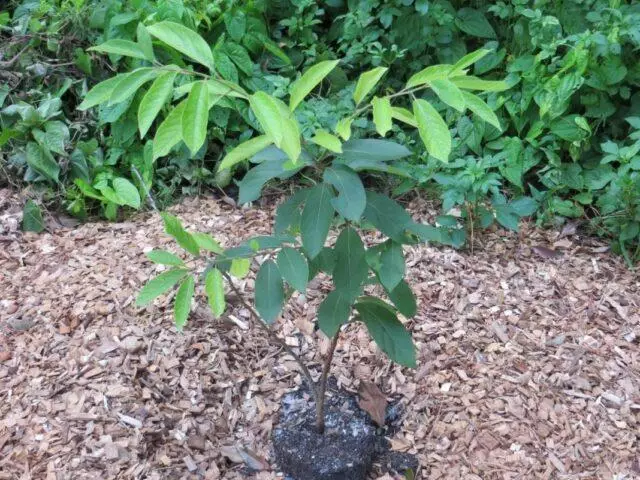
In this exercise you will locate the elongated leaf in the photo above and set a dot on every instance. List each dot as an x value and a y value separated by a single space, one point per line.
174 228
351 200
366 82
145 42
433 130
382 115
240 267
473 22
269 291
387 331
159 285
254 180
41 160
119 46
328 141
404 300
316 219
373 149
291 139
467 60
245 150
333 312
154 100
391 265
182 305
343 128
429 74
185 41
214 288
217 88
32 220
387 216
207 242
126 192
294 268
310 80
468 82
477 106
351 268
448 92
126 87
268 113
101 92
195 117
288 213
164 258
404 116
169 133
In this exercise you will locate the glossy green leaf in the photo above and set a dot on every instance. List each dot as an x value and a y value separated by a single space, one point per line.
448 92
145 42
477 106
169 133
291 139
333 312
387 331
316 219
214 288
468 82
240 267
41 160
468 60
387 216
343 128
174 228
351 268
294 268
159 285
195 117
351 200
429 74
32 220
269 291
130 84
245 150
366 83
268 113
392 265
373 149
126 192
163 257
433 130
288 212
404 299
328 141
182 305
207 242
382 115
153 101
310 80
404 116
118 46
185 41
101 92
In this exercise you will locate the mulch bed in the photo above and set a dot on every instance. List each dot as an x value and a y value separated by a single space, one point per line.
528 358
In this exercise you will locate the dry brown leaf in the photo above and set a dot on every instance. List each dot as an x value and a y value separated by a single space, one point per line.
239 454
5 355
545 252
373 401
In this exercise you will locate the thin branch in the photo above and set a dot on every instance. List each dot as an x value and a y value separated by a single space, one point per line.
322 387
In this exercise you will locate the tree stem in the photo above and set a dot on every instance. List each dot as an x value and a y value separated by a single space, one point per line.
322 386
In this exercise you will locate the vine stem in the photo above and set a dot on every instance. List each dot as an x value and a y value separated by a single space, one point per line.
322 386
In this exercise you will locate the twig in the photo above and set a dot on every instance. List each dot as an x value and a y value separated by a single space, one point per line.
322 387
150 199
9 63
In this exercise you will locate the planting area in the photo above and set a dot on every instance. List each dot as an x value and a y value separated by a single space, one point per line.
527 349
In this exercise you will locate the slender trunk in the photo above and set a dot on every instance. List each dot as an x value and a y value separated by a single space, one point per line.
322 385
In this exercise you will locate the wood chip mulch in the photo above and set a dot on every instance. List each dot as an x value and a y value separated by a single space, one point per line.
529 359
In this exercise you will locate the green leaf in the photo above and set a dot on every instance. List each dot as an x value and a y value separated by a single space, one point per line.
236 23
126 87
56 136
351 268
169 133
429 74
387 216
474 23
468 60
433 130
382 115
164 258
145 42
474 83
119 46
343 128
333 312
392 266
316 219
310 80
351 200
404 116
159 285
507 217
477 106
182 305
126 192
32 217
448 93
41 160
387 331
240 267
404 300
174 228
245 150
269 291
254 180
239 55
153 101
288 213
101 92
195 117
185 41
366 82
207 242
266 109
217 88
291 139
328 141
294 268
214 288
373 149
524 206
